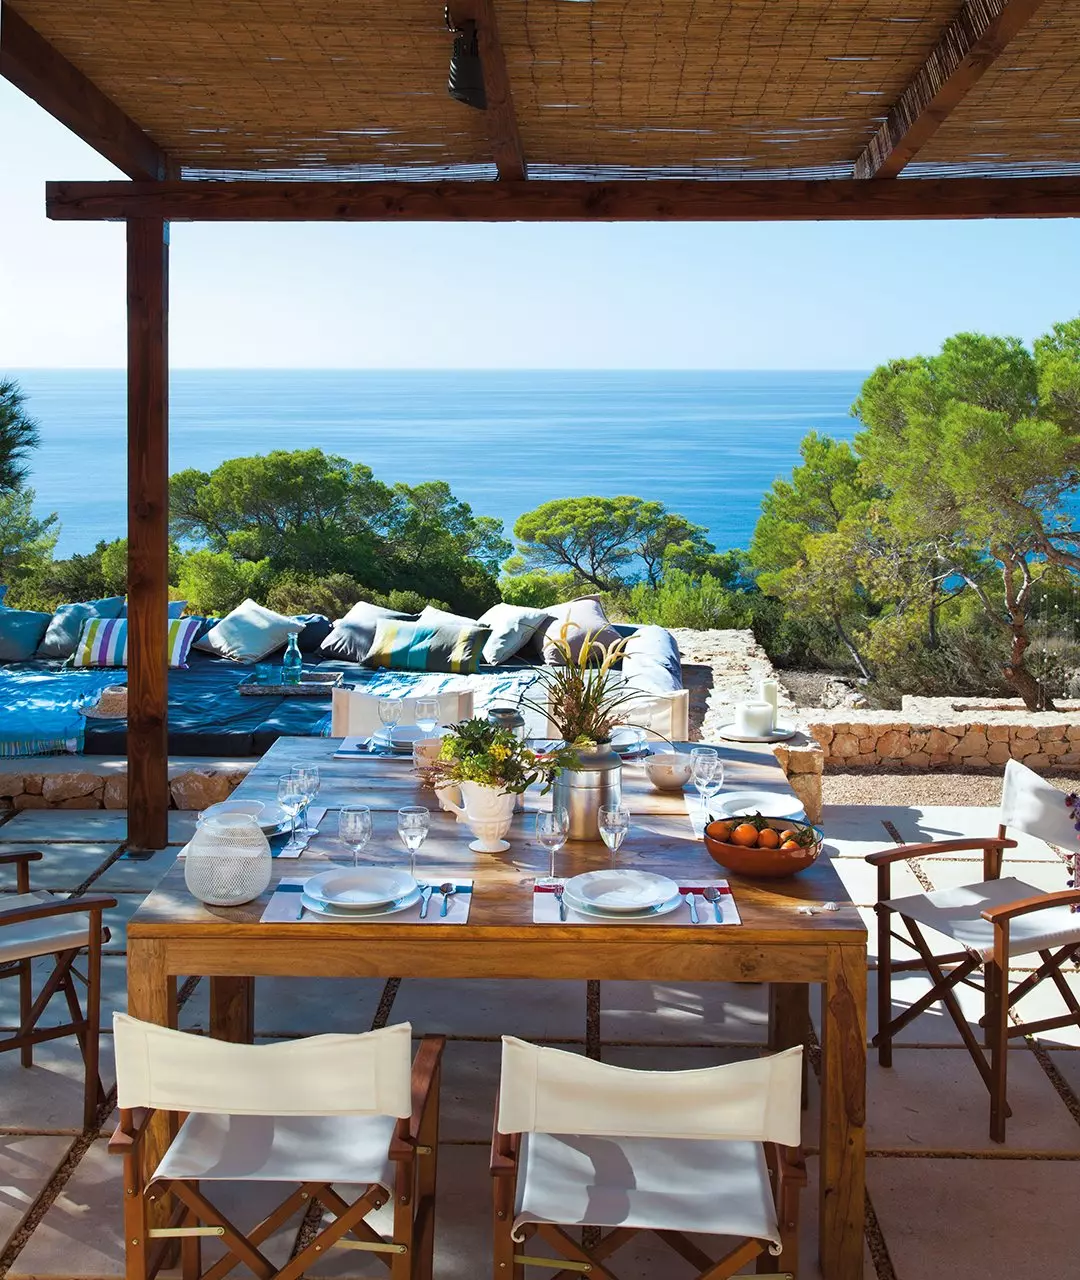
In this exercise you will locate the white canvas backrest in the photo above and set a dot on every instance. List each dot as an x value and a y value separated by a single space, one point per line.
355 713
1032 805
367 1074
553 1091
663 715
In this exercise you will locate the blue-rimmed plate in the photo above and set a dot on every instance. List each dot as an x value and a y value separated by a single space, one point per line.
360 888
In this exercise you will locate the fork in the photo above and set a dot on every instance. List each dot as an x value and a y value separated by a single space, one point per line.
558 892
689 900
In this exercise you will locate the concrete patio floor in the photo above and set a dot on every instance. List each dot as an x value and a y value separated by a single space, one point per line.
942 1199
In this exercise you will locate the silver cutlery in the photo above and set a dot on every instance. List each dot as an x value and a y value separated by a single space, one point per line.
447 890
558 892
426 891
689 900
712 894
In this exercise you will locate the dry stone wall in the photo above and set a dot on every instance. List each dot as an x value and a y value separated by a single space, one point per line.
87 789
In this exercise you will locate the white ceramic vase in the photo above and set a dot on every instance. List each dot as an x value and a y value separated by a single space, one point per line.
227 861
486 811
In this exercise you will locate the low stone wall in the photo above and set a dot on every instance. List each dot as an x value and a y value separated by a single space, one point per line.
85 789
946 733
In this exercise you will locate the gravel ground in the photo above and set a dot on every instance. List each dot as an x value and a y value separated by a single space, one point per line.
911 786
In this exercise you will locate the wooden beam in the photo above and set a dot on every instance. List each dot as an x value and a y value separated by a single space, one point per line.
148 532
555 201
974 39
43 74
506 148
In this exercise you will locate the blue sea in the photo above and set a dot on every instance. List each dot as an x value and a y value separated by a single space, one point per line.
707 444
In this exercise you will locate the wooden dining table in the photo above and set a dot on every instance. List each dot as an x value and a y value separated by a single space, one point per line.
174 936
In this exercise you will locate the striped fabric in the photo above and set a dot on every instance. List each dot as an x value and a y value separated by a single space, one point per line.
418 646
103 642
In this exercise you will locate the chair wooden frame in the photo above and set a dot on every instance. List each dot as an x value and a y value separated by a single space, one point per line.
950 970
409 1255
787 1173
85 1026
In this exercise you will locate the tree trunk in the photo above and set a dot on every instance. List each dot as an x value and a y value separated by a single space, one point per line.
849 645
1017 674
932 629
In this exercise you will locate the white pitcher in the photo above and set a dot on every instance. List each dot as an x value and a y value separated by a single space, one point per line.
486 811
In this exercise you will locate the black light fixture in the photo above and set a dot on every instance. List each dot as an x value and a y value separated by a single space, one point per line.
466 82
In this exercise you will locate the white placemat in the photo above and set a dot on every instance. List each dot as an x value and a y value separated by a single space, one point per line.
285 907
546 909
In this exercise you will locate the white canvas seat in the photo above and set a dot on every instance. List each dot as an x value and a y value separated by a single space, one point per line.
991 920
44 936
706 1152
355 713
316 1114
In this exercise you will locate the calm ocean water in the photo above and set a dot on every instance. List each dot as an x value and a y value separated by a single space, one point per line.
707 444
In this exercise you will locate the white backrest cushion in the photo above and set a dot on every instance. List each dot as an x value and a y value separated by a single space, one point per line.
367 1074
547 1090
355 713
1037 807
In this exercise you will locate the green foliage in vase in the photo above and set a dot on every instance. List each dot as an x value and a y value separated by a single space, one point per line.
482 752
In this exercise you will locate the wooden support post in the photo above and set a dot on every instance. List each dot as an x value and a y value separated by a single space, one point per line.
148 531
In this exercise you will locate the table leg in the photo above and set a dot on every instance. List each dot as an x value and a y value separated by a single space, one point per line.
232 1009
843 1115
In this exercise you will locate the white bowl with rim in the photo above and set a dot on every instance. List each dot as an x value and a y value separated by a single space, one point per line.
669 770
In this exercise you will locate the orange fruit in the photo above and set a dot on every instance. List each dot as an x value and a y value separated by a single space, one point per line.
791 844
721 831
745 834
768 838
789 834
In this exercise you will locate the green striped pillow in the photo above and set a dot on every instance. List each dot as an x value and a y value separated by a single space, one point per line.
404 645
103 642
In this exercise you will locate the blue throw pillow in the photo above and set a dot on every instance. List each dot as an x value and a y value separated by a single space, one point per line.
62 634
21 631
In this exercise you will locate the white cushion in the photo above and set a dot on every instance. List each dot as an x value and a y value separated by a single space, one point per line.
655 1184
581 619
356 714
512 627
957 913
341 1149
249 633
41 937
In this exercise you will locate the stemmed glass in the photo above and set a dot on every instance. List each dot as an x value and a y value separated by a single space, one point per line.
290 794
707 771
614 823
354 828
413 822
427 715
552 829
311 782
389 713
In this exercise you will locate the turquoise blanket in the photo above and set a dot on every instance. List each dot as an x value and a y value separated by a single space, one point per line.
43 707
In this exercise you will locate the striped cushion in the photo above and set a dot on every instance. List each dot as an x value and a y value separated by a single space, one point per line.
417 646
103 642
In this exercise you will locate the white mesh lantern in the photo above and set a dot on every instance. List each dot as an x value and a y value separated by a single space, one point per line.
228 860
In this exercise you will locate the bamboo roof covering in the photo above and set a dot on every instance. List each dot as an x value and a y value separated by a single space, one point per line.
601 88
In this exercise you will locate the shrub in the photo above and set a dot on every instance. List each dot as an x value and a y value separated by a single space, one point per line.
213 582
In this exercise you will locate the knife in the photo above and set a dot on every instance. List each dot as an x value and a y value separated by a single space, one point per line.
425 897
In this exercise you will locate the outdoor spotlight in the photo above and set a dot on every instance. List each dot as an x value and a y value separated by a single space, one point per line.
466 82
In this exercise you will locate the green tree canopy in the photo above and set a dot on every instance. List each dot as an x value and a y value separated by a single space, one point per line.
605 541
18 435
26 542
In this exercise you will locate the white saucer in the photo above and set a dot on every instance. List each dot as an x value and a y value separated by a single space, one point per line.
359 888
621 892
400 739
741 803
343 913
780 734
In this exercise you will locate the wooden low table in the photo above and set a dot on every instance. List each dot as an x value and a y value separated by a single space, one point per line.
173 935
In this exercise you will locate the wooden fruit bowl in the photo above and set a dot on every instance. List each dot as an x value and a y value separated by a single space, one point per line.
765 863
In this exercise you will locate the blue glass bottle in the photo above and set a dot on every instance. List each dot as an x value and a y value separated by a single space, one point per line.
292 664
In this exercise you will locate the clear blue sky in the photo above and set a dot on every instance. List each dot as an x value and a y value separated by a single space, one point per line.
798 296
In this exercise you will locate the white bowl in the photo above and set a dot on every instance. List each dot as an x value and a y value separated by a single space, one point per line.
669 770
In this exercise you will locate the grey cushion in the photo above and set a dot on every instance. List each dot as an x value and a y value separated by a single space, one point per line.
586 618
21 631
351 637
433 617
65 627
512 627
651 660
248 634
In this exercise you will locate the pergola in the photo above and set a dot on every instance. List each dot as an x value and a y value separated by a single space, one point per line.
685 110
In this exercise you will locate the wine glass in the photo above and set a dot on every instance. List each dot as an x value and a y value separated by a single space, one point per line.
614 823
290 794
427 715
311 782
552 829
413 822
354 828
389 713
707 771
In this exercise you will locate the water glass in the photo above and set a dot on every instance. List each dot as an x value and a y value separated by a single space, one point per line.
707 771
266 673
310 781
427 715
614 823
290 795
552 830
390 710
413 822
354 828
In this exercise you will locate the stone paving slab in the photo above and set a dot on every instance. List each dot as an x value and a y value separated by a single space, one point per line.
132 874
85 824
64 866
113 993
26 1165
493 1007
49 1094
710 1012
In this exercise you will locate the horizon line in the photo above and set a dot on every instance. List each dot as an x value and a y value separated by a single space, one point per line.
245 368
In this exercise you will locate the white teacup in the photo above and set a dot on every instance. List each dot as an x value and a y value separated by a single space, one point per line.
669 770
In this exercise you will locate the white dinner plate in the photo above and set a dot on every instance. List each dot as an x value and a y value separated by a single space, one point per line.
628 742
619 892
400 739
359 888
661 909
743 803
344 913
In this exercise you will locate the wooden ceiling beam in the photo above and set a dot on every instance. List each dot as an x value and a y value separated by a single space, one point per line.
46 76
974 39
501 118
569 201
